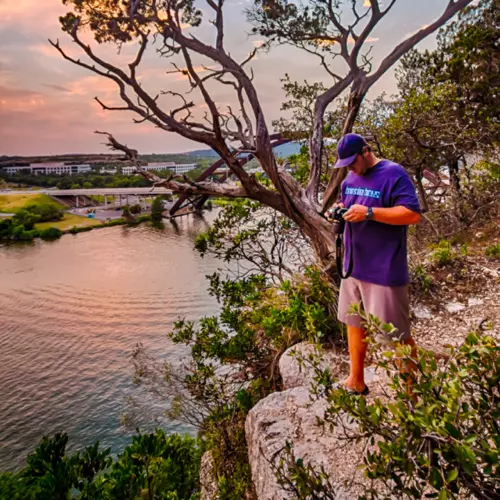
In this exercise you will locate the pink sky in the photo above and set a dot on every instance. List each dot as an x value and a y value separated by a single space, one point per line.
47 106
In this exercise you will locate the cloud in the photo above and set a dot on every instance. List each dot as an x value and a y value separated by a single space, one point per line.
411 33
20 100
350 40
56 87
370 39
45 49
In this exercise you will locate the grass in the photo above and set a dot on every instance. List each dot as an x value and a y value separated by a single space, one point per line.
12 203
493 251
69 221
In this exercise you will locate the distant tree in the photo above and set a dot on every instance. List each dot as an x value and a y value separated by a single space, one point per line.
135 209
46 212
87 185
157 209
126 212
51 233
26 218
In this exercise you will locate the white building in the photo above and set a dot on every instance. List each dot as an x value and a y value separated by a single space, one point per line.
111 171
49 168
155 167
15 170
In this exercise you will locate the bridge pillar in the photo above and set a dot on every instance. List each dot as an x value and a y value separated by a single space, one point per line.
105 201
77 204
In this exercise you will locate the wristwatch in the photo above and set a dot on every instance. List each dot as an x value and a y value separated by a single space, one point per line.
369 214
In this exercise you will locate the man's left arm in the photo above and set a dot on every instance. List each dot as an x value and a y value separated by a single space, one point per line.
396 216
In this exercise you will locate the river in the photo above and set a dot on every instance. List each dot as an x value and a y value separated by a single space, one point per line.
71 313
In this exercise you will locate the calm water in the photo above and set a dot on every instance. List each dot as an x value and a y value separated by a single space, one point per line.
71 313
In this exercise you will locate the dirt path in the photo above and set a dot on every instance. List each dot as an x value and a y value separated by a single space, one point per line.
468 300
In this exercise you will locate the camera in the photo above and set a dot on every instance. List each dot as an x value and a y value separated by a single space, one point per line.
336 215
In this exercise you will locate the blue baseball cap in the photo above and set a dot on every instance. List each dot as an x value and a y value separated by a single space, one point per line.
348 147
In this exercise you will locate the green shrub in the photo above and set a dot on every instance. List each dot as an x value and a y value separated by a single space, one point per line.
157 208
51 233
26 218
443 253
493 251
135 209
421 281
83 229
126 212
46 212
152 466
20 233
143 218
115 222
440 439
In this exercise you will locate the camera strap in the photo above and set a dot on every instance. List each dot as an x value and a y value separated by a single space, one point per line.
338 255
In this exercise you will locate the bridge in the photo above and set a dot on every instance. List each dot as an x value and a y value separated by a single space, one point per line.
186 204
74 196
145 191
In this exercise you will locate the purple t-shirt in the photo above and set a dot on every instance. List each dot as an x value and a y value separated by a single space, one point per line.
379 250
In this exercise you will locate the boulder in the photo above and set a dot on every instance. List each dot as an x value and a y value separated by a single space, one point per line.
208 481
294 374
290 416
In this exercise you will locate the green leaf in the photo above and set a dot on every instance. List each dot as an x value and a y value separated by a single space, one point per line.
452 475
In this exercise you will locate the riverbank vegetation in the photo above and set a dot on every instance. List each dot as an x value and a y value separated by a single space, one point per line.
441 439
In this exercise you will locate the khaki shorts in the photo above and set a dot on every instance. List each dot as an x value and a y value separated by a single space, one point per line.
389 304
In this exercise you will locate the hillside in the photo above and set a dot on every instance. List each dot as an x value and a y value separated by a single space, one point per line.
284 151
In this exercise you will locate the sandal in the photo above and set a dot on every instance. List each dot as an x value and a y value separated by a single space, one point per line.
351 392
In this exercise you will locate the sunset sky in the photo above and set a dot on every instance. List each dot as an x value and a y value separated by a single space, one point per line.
47 106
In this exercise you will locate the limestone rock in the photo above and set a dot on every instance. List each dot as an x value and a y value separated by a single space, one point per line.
422 312
295 375
453 307
208 481
290 416
474 301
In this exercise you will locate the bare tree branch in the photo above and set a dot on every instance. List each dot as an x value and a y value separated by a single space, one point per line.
451 9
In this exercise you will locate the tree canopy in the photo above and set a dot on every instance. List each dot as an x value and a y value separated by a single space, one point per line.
316 26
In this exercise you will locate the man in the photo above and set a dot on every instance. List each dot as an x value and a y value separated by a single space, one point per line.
382 202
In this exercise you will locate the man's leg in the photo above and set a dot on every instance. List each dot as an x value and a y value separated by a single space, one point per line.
392 305
409 366
357 353
350 295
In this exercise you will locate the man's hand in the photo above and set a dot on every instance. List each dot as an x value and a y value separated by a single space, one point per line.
357 213
328 213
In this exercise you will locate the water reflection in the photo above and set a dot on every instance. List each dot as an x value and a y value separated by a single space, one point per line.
72 312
